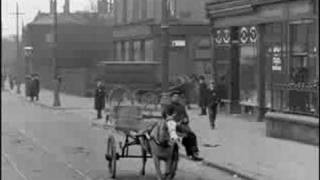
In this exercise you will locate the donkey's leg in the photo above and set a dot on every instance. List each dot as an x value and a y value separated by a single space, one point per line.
144 161
157 167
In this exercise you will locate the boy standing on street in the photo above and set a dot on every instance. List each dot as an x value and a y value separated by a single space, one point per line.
213 104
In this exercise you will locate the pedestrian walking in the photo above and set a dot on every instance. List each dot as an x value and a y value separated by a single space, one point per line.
33 87
213 102
189 140
37 86
203 96
27 86
18 83
99 98
11 82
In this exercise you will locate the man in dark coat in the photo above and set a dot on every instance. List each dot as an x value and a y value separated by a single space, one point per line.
33 87
213 101
202 96
37 86
99 98
181 117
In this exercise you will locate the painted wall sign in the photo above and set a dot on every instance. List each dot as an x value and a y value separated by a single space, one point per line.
244 35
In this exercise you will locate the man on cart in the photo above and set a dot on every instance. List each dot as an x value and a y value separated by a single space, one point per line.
181 117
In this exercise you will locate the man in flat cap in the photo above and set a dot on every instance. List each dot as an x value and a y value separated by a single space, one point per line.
181 117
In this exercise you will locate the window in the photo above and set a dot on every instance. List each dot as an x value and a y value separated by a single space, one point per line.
126 51
150 9
143 9
137 50
302 72
118 51
172 8
248 74
149 50
130 10
110 6
124 11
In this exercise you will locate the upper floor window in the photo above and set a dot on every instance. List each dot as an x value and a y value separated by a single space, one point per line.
172 7
110 6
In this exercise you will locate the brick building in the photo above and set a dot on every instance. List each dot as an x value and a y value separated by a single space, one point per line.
137 39
83 39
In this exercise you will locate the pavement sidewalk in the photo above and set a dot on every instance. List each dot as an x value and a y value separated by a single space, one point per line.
238 145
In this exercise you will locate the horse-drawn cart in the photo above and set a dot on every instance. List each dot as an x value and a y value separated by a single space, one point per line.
127 126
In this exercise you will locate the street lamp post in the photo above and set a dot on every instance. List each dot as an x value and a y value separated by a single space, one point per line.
165 46
56 79
165 54
28 51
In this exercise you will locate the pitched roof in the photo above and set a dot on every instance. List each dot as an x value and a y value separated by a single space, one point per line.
80 18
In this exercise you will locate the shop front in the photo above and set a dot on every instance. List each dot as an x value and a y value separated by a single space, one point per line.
266 54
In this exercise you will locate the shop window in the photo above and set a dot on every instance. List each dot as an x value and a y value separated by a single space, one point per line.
302 72
248 74
223 69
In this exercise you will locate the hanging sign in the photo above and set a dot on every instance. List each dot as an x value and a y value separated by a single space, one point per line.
218 38
276 58
253 34
226 36
244 35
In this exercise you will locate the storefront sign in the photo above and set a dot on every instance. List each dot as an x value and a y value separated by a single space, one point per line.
178 43
244 35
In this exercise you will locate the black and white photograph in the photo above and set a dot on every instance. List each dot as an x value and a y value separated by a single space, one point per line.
159 90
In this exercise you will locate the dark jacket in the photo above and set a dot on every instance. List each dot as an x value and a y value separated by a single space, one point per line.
99 98
180 110
33 88
213 98
203 91
37 85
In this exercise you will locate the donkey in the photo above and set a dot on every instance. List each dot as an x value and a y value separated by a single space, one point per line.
161 142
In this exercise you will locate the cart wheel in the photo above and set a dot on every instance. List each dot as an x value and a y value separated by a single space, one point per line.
111 156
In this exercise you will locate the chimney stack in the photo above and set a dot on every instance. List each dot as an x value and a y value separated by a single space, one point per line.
66 7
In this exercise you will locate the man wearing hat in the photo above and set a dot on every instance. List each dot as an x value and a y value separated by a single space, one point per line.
181 117
99 98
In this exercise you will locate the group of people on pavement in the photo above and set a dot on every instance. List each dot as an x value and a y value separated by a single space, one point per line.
32 88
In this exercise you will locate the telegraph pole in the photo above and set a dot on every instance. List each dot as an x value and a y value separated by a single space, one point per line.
56 79
165 46
17 14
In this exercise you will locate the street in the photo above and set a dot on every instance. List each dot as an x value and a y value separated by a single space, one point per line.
44 144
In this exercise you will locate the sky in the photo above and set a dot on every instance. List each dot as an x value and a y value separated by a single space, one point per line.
30 8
